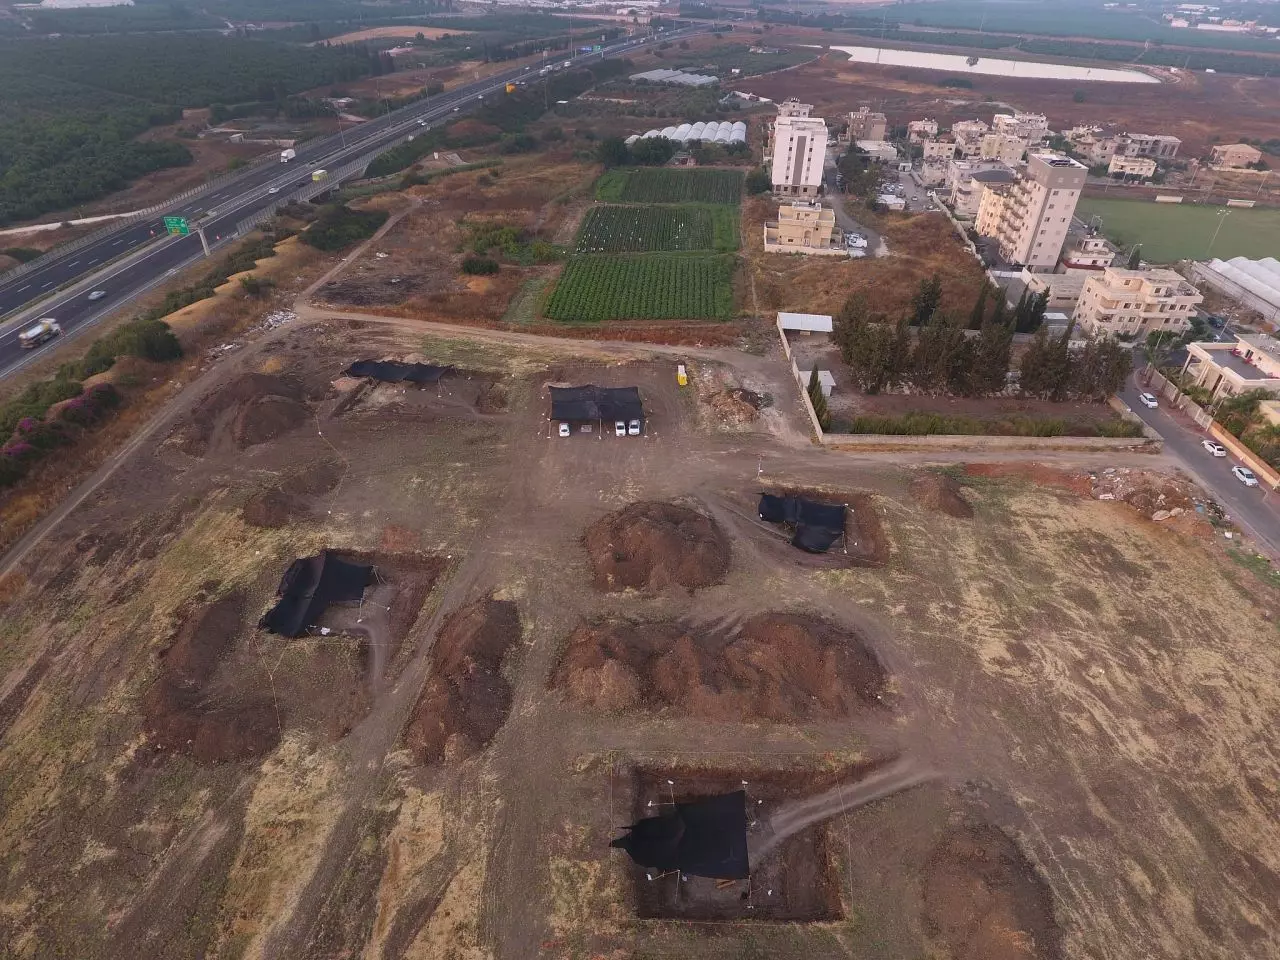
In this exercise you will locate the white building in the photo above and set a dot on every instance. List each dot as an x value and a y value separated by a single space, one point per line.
921 130
1134 303
1141 167
1030 217
1032 127
967 179
968 135
799 152
880 151
1006 148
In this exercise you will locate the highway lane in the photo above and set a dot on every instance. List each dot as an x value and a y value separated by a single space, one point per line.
254 183
221 212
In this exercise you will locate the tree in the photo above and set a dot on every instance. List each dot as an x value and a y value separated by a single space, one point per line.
652 151
1100 368
1047 365
818 400
613 152
1036 308
1135 258
979 308
991 351
942 356
850 325
925 301
999 314
759 181
1020 313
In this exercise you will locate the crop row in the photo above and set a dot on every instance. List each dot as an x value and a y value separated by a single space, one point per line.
641 229
666 185
653 287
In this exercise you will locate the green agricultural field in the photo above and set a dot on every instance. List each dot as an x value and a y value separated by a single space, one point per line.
665 229
643 287
664 185
1180 231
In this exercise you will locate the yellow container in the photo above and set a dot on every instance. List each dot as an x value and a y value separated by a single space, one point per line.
682 378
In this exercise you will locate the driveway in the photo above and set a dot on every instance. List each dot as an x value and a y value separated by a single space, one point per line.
875 243
1251 508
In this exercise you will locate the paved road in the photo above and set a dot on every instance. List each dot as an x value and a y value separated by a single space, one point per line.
1257 516
220 211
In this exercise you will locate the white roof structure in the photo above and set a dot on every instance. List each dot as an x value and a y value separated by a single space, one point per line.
811 322
710 131
1261 278
678 77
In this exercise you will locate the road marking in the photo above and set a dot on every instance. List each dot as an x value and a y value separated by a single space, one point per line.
92 262
73 263
118 242
20 289
132 242
49 284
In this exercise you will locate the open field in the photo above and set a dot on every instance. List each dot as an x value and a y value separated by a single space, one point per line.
408 31
1170 232
665 185
609 229
1037 733
643 287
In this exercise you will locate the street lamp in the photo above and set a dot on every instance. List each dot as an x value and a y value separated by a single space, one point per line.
1222 218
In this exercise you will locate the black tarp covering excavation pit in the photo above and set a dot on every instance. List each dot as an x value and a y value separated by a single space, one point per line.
575 404
701 838
308 587
389 371
817 525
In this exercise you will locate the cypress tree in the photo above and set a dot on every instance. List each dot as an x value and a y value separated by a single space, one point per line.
979 308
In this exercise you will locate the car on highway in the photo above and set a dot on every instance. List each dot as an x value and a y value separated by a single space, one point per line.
422 123
1148 401
97 294
455 109
274 190
1215 448
1245 476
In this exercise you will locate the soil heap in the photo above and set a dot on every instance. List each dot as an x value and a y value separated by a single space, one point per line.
652 546
179 714
942 493
775 666
293 498
466 698
251 409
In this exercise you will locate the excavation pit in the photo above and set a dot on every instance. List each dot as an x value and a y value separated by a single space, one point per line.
652 546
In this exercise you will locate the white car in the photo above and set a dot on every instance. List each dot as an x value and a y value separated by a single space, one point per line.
1245 476
1215 448
97 295
1148 401
274 190
633 428
564 430
620 428
854 241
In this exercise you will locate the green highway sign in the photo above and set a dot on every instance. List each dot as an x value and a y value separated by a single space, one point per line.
177 225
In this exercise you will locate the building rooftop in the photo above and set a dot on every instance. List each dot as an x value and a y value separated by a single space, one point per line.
1057 160
993 176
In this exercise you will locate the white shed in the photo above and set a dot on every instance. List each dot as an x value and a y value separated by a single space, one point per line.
808 322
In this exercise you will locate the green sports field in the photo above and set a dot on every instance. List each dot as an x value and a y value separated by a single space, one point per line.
1181 231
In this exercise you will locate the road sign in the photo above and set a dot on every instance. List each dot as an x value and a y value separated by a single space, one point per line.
597 48
176 226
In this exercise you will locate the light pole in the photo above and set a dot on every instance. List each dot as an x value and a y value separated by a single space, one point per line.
1222 218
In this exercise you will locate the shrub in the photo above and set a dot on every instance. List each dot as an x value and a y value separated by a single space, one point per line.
35 401
339 227
479 265
145 337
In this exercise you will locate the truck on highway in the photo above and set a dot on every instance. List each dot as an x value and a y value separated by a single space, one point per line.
43 331
318 175
287 155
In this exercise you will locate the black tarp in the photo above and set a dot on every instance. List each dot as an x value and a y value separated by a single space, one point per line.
596 403
817 525
702 838
308 586
390 371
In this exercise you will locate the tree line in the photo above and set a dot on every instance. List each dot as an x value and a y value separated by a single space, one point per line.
936 351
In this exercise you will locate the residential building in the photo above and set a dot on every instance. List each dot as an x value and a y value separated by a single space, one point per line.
1098 149
920 130
1088 253
891 201
1006 148
968 178
799 151
968 135
1230 369
866 125
794 108
1133 303
1160 146
1030 217
1064 288
1234 156
1032 127
880 151
938 151
1142 167
804 227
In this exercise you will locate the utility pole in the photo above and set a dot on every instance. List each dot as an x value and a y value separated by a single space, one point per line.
1222 218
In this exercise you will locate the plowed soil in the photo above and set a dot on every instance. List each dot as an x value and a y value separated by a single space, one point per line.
775 666
294 498
984 901
652 546
942 493
251 409
466 698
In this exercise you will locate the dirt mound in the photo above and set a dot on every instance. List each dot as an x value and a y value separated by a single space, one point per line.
942 493
466 698
252 408
652 546
775 666
736 405
984 901
293 498
369 291
1146 491
180 715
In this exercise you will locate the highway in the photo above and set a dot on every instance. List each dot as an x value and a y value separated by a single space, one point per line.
149 256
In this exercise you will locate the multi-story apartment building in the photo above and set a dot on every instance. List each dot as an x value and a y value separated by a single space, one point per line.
1159 146
1032 127
968 135
794 108
799 152
968 179
804 226
1029 218
1143 167
1250 363
866 125
935 151
1133 303
1006 148
921 130
1234 156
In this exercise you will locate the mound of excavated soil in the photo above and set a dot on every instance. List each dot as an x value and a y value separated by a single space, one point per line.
267 419
942 493
652 546
178 713
775 666
984 901
293 498
252 408
466 698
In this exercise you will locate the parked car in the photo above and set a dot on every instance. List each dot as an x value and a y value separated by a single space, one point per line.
564 430
855 240
1215 448
1148 401
97 295
633 428
620 428
1245 476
